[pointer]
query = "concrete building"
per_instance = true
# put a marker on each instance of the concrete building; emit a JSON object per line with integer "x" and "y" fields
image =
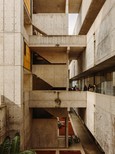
{"x": 40, "y": 62}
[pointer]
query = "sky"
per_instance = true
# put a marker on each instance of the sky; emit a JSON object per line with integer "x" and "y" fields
{"x": 72, "y": 21}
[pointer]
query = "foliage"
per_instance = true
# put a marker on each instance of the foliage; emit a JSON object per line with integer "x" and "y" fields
{"x": 13, "y": 146}
{"x": 5, "y": 146}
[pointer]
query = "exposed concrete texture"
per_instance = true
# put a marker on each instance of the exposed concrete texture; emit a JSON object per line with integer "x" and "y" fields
{"x": 52, "y": 54}
{"x": 44, "y": 133}
{"x": 100, "y": 38}
{"x": 55, "y": 75}
{"x": 100, "y": 120}
{"x": 27, "y": 81}
{"x": 11, "y": 65}
{"x": 42, "y": 6}
{"x": 114, "y": 79}
{"x": 74, "y": 69}
{"x": 27, "y": 113}
{"x": 3, "y": 127}
{"x": 81, "y": 16}
{"x": 104, "y": 35}
{"x": 48, "y": 99}
{"x": 58, "y": 112}
{"x": 90, "y": 112}
{"x": 51, "y": 24}
{"x": 61, "y": 41}
{"x": 88, "y": 13}
{"x": 27, "y": 124}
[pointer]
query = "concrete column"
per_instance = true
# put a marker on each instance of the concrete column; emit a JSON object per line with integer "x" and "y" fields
{"x": 113, "y": 78}
{"x": 66, "y": 132}
{"x": 11, "y": 62}
{"x": 67, "y": 63}
{"x": 67, "y": 7}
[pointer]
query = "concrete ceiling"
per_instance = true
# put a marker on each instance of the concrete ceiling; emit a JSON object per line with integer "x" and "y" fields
{"x": 73, "y": 53}
{"x": 92, "y": 13}
{"x": 106, "y": 66}
{"x": 49, "y": 49}
{"x": 74, "y": 6}
{"x": 55, "y": 6}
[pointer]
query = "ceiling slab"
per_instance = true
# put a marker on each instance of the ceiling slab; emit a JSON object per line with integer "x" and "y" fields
{"x": 48, "y": 6}
{"x": 55, "y": 6}
{"x": 74, "y": 6}
{"x": 92, "y": 13}
{"x": 75, "y": 52}
{"x": 106, "y": 66}
{"x": 48, "y": 49}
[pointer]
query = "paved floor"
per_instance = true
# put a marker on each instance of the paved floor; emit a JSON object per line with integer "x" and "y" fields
{"x": 87, "y": 142}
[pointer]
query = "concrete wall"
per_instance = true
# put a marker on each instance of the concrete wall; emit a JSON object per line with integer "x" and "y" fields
{"x": 55, "y": 75}
{"x": 100, "y": 120}
{"x": 44, "y": 133}
{"x": 100, "y": 38}
{"x": 11, "y": 65}
{"x": 27, "y": 112}
{"x": 52, "y": 41}
{"x": 51, "y": 24}
{"x": 3, "y": 126}
{"x": 28, "y": 122}
{"x": 81, "y": 16}
{"x": 49, "y": 99}
{"x": 74, "y": 69}
{"x": 54, "y": 56}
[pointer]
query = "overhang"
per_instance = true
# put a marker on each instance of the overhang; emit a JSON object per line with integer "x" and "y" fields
{"x": 106, "y": 66}
{"x": 75, "y": 45}
{"x": 56, "y": 6}
{"x": 92, "y": 13}
{"x": 57, "y": 41}
{"x": 60, "y": 99}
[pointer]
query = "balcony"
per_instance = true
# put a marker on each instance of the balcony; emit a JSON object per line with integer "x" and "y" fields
{"x": 62, "y": 99}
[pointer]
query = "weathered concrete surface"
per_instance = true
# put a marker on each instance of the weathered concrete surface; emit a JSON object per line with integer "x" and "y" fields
{"x": 42, "y": 6}
{"x": 58, "y": 112}
{"x": 27, "y": 112}
{"x": 3, "y": 126}
{"x": 51, "y": 24}
{"x": 28, "y": 122}
{"x": 100, "y": 47}
{"x": 47, "y": 99}
{"x": 52, "y": 54}
{"x": 11, "y": 64}
{"x": 61, "y": 41}
{"x": 88, "y": 13}
{"x": 55, "y": 75}
{"x": 100, "y": 120}
{"x": 44, "y": 133}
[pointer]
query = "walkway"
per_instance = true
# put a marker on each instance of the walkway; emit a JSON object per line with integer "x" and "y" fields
{"x": 86, "y": 140}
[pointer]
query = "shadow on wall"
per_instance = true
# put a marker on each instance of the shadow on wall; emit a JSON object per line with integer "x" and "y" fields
{"x": 13, "y": 122}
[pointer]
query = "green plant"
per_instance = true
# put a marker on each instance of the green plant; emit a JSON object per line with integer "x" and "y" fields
{"x": 5, "y": 146}
{"x": 13, "y": 146}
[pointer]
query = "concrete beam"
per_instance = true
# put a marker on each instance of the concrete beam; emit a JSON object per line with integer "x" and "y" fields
{"x": 57, "y": 41}
{"x": 62, "y": 99}
{"x": 93, "y": 10}
{"x": 67, "y": 6}
{"x": 55, "y": 6}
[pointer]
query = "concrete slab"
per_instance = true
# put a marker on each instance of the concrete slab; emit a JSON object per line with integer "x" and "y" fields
{"x": 61, "y": 99}
{"x": 57, "y": 41}
{"x": 43, "y": 6}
